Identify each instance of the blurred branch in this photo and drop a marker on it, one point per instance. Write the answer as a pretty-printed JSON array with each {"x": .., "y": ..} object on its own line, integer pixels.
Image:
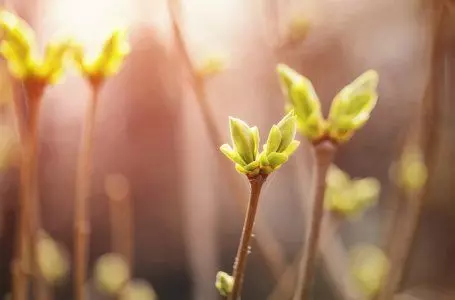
[
  {"x": 400, "y": 243},
  {"x": 333, "y": 252},
  {"x": 267, "y": 244}
]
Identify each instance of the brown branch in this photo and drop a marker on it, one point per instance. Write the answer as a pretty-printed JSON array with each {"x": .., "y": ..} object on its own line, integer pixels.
[
  {"x": 267, "y": 244},
  {"x": 323, "y": 157},
  {"x": 244, "y": 245},
  {"x": 25, "y": 255},
  {"x": 83, "y": 184}
]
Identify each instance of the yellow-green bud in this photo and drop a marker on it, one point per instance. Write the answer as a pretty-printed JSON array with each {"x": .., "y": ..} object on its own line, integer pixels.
[
  {"x": 352, "y": 106},
  {"x": 300, "y": 93},
  {"x": 224, "y": 283},
  {"x": 369, "y": 267}
]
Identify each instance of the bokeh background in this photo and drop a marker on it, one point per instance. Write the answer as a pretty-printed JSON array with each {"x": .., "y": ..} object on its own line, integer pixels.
[{"x": 150, "y": 129}]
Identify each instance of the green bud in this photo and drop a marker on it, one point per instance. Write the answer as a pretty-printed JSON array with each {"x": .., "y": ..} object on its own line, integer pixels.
[
  {"x": 287, "y": 128},
  {"x": 369, "y": 267},
  {"x": 224, "y": 283},
  {"x": 412, "y": 173},
  {"x": 280, "y": 144},
  {"x": 366, "y": 190},
  {"x": 305, "y": 102},
  {"x": 243, "y": 140},
  {"x": 347, "y": 196},
  {"x": 352, "y": 106}
]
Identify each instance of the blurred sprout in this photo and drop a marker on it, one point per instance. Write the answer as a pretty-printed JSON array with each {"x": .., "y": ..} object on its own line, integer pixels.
[
  {"x": 18, "y": 48},
  {"x": 7, "y": 297},
  {"x": 53, "y": 260},
  {"x": 9, "y": 146},
  {"x": 138, "y": 290},
  {"x": 116, "y": 186},
  {"x": 298, "y": 28},
  {"x": 303, "y": 99},
  {"x": 350, "y": 109},
  {"x": 352, "y": 106},
  {"x": 369, "y": 267},
  {"x": 410, "y": 173},
  {"x": 350, "y": 197},
  {"x": 212, "y": 65},
  {"x": 280, "y": 145},
  {"x": 107, "y": 62},
  {"x": 111, "y": 273},
  {"x": 224, "y": 283}
]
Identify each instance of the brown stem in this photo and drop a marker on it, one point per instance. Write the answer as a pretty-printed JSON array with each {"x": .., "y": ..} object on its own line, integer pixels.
[
  {"x": 268, "y": 246},
  {"x": 25, "y": 255},
  {"x": 334, "y": 256},
  {"x": 244, "y": 246},
  {"x": 323, "y": 155},
  {"x": 83, "y": 184},
  {"x": 333, "y": 252}
]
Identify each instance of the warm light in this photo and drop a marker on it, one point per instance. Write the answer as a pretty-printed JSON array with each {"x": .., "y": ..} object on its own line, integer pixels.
[{"x": 90, "y": 22}]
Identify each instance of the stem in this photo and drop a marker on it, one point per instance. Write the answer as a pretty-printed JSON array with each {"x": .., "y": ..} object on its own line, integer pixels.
[
  {"x": 243, "y": 250},
  {"x": 83, "y": 180},
  {"x": 26, "y": 231},
  {"x": 333, "y": 253},
  {"x": 323, "y": 154},
  {"x": 268, "y": 246}
]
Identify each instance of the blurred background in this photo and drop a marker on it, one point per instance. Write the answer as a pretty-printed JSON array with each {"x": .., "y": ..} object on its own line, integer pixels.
[{"x": 151, "y": 130}]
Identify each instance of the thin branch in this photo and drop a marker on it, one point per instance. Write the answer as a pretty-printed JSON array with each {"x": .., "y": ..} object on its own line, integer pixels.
[
  {"x": 267, "y": 244},
  {"x": 83, "y": 184},
  {"x": 323, "y": 156},
  {"x": 244, "y": 245}
]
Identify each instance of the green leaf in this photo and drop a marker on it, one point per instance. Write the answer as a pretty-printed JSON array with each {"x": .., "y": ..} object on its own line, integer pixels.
[
  {"x": 252, "y": 166},
  {"x": 291, "y": 148},
  {"x": 263, "y": 158},
  {"x": 274, "y": 139},
  {"x": 287, "y": 128},
  {"x": 305, "y": 99},
  {"x": 241, "y": 169},
  {"x": 231, "y": 154},
  {"x": 275, "y": 159},
  {"x": 242, "y": 139}
]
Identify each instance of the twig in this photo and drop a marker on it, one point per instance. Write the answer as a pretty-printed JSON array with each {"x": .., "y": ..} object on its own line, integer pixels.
[
  {"x": 323, "y": 155},
  {"x": 267, "y": 244},
  {"x": 26, "y": 231},
  {"x": 244, "y": 246},
  {"x": 333, "y": 252},
  {"x": 83, "y": 183}
]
